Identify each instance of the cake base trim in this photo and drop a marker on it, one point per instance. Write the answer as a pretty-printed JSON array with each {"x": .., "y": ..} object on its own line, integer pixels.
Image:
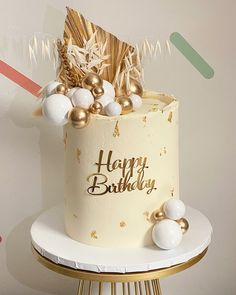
[{"x": 50, "y": 240}]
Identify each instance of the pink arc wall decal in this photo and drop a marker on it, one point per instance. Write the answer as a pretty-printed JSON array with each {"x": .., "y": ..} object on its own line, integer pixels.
[{"x": 19, "y": 78}]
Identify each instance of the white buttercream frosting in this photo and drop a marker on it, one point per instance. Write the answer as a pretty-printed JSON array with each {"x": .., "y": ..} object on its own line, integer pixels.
[{"x": 118, "y": 171}]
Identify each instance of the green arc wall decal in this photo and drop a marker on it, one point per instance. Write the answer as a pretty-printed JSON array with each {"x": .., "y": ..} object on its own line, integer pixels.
[{"x": 192, "y": 56}]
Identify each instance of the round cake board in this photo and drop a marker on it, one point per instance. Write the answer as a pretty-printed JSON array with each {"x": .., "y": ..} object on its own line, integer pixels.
[{"x": 50, "y": 240}]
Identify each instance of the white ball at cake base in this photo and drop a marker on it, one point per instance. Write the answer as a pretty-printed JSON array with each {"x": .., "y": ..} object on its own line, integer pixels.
[
  {"x": 55, "y": 108},
  {"x": 174, "y": 209},
  {"x": 71, "y": 92},
  {"x": 82, "y": 98},
  {"x": 109, "y": 89},
  {"x": 113, "y": 109},
  {"x": 136, "y": 101},
  {"x": 167, "y": 234},
  {"x": 105, "y": 99}
]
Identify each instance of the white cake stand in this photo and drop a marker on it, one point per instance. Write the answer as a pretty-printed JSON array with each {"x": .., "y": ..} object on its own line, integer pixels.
[{"x": 116, "y": 271}]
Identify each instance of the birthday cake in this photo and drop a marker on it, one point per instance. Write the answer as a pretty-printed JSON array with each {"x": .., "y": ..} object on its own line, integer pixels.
[
  {"x": 121, "y": 143},
  {"x": 118, "y": 171}
]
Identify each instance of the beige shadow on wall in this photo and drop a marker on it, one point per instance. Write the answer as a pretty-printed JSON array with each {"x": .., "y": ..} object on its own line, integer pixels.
[
  {"x": 20, "y": 261},
  {"x": 24, "y": 267}
]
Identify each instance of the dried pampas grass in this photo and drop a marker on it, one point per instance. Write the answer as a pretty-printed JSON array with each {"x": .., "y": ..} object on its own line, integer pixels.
[{"x": 87, "y": 47}]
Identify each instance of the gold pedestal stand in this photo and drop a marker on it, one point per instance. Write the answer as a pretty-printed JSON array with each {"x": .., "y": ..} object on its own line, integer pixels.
[{"x": 138, "y": 283}]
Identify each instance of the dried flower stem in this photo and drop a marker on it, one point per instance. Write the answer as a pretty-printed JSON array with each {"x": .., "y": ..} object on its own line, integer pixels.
[{"x": 71, "y": 79}]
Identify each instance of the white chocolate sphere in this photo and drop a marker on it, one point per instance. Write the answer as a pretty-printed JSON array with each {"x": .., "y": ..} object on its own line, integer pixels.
[
  {"x": 167, "y": 234},
  {"x": 56, "y": 107},
  {"x": 108, "y": 89},
  {"x": 71, "y": 92},
  {"x": 174, "y": 209},
  {"x": 50, "y": 88},
  {"x": 136, "y": 101},
  {"x": 82, "y": 98},
  {"x": 105, "y": 99},
  {"x": 113, "y": 109}
]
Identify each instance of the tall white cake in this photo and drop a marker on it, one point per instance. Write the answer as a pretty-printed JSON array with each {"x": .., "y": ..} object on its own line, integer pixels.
[
  {"x": 121, "y": 143},
  {"x": 118, "y": 170}
]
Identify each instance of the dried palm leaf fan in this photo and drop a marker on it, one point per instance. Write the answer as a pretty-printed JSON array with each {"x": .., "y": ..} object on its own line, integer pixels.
[{"x": 114, "y": 60}]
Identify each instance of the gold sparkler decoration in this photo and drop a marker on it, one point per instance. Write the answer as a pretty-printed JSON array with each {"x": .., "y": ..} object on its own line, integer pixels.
[{"x": 45, "y": 48}]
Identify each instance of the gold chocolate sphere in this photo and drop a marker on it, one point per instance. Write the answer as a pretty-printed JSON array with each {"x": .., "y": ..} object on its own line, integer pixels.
[
  {"x": 126, "y": 104},
  {"x": 135, "y": 87},
  {"x": 96, "y": 108},
  {"x": 97, "y": 91},
  {"x": 79, "y": 117},
  {"x": 61, "y": 89},
  {"x": 183, "y": 224},
  {"x": 79, "y": 83},
  {"x": 91, "y": 80},
  {"x": 119, "y": 92},
  {"x": 158, "y": 215},
  {"x": 67, "y": 90}
]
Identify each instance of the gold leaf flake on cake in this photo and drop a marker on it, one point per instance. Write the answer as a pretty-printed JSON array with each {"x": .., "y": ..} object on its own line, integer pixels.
[
  {"x": 170, "y": 117},
  {"x": 116, "y": 132},
  {"x": 163, "y": 151},
  {"x": 65, "y": 139},
  {"x": 122, "y": 224},
  {"x": 78, "y": 154},
  {"x": 154, "y": 108},
  {"x": 147, "y": 215},
  {"x": 145, "y": 120},
  {"x": 94, "y": 234}
]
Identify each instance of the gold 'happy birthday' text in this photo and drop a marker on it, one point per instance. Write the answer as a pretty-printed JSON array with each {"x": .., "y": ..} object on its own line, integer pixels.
[{"x": 128, "y": 168}]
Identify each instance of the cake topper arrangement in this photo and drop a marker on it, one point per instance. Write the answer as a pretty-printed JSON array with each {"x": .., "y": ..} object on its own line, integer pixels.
[
  {"x": 97, "y": 74},
  {"x": 100, "y": 75}
]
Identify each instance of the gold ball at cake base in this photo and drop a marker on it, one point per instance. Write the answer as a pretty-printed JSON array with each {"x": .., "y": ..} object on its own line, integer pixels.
[
  {"x": 97, "y": 91},
  {"x": 96, "y": 108},
  {"x": 91, "y": 80},
  {"x": 79, "y": 117},
  {"x": 126, "y": 104},
  {"x": 135, "y": 87},
  {"x": 158, "y": 215},
  {"x": 61, "y": 89},
  {"x": 183, "y": 224}
]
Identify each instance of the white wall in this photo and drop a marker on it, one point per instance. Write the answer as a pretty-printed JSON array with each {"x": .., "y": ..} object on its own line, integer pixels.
[{"x": 31, "y": 151}]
